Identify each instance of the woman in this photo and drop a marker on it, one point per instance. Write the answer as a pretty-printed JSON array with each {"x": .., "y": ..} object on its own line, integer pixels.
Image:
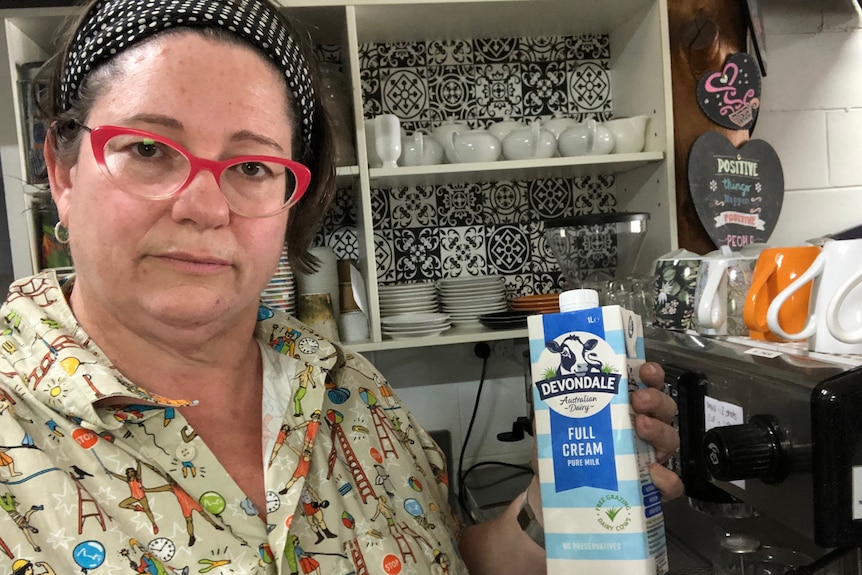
[{"x": 183, "y": 138}]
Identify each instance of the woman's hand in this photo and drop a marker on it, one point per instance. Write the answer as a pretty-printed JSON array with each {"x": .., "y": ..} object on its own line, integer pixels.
[{"x": 655, "y": 410}]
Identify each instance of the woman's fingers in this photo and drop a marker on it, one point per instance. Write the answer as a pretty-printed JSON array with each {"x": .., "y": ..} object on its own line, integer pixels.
[
  {"x": 650, "y": 401},
  {"x": 663, "y": 437},
  {"x": 666, "y": 481},
  {"x": 652, "y": 374}
]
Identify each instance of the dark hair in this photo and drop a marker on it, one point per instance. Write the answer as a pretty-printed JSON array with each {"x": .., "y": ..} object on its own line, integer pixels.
[{"x": 304, "y": 218}]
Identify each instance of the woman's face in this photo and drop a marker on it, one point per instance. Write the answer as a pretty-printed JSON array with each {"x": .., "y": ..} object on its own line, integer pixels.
[{"x": 187, "y": 259}]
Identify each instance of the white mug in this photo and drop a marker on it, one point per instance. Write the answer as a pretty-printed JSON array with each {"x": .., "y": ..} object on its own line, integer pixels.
[
  {"x": 719, "y": 297},
  {"x": 835, "y": 311}
]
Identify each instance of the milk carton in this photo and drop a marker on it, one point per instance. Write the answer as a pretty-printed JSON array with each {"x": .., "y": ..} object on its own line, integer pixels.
[{"x": 602, "y": 513}]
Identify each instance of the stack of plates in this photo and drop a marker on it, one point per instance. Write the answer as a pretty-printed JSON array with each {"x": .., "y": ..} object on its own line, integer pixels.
[
  {"x": 407, "y": 298},
  {"x": 415, "y": 325},
  {"x": 466, "y": 298},
  {"x": 544, "y": 303},
  {"x": 280, "y": 292},
  {"x": 505, "y": 319}
]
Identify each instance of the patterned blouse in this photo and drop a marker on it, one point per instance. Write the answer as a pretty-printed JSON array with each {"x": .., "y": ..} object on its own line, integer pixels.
[{"x": 353, "y": 484}]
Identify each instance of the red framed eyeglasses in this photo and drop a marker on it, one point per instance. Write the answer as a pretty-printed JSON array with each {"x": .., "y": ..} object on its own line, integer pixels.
[{"x": 152, "y": 167}]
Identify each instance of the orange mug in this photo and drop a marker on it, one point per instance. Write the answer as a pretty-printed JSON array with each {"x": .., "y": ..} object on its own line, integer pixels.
[{"x": 776, "y": 269}]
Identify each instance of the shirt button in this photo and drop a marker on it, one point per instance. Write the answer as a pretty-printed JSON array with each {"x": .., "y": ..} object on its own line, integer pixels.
[{"x": 186, "y": 452}]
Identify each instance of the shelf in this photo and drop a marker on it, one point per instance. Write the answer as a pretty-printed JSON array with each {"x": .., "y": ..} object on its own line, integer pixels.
[
  {"x": 454, "y": 335},
  {"x": 506, "y": 170},
  {"x": 397, "y": 20},
  {"x": 345, "y": 175}
]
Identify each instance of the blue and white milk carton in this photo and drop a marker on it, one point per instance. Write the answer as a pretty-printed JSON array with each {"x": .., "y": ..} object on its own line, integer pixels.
[{"x": 602, "y": 513}]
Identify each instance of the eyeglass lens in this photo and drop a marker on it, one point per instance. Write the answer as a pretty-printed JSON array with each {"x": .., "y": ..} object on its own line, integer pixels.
[{"x": 149, "y": 168}]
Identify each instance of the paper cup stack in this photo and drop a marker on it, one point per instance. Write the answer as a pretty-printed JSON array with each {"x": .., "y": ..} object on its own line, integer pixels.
[
  {"x": 280, "y": 292},
  {"x": 311, "y": 305}
]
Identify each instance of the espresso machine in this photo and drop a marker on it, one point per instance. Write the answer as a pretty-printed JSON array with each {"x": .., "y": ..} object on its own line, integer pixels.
[{"x": 770, "y": 448}]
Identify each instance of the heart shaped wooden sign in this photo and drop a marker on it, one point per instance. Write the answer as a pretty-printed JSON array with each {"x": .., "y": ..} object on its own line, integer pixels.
[
  {"x": 731, "y": 97},
  {"x": 737, "y": 193}
]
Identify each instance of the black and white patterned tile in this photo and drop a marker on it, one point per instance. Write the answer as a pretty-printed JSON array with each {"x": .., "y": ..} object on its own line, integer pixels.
[
  {"x": 449, "y": 52},
  {"x": 544, "y": 49},
  {"x": 413, "y": 207},
  {"x": 460, "y": 205},
  {"x": 498, "y": 90},
  {"x": 496, "y": 50},
  {"x": 549, "y": 199},
  {"x": 504, "y": 201},
  {"x": 450, "y": 93},
  {"x": 589, "y": 85},
  {"x": 404, "y": 92},
  {"x": 508, "y": 248},
  {"x": 463, "y": 251},
  {"x": 588, "y": 47},
  {"x": 416, "y": 254},
  {"x": 384, "y": 255},
  {"x": 543, "y": 88}
]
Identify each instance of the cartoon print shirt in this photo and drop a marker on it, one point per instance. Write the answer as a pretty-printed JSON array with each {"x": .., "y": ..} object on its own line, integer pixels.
[{"x": 353, "y": 484}]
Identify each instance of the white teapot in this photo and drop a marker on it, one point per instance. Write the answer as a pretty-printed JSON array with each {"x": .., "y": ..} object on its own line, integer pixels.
[
  {"x": 587, "y": 139},
  {"x": 504, "y": 127},
  {"x": 529, "y": 143},
  {"x": 628, "y": 134},
  {"x": 558, "y": 124},
  {"x": 419, "y": 149},
  {"x": 472, "y": 146},
  {"x": 442, "y": 132}
]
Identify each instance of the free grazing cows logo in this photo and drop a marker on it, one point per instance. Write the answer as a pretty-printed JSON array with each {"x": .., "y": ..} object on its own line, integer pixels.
[{"x": 578, "y": 377}]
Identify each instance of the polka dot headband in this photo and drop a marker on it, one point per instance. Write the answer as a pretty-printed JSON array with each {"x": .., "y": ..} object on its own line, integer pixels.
[{"x": 115, "y": 25}]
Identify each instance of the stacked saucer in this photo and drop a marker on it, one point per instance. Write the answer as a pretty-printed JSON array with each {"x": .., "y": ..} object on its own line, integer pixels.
[
  {"x": 505, "y": 319},
  {"x": 280, "y": 292},
  {"x": 466, "y": 298},
  {"x": 415, "y": 325},
  {"x": 407, "y": 298},
  {"x": 542, "y": 303}
]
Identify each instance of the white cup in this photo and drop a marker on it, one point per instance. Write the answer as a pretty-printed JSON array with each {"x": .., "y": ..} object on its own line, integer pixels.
[
  {"x": 719, "y": 297},
  {"x": 835, "y": 311},
  {"x": 353, "y": 326}
]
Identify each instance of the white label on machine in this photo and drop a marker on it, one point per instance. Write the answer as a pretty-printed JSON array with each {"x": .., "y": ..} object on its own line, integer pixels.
[
  {"x": 857, "y": 492},
  {"x": 763, "y": 352},
  {"x": 721, "y": 414}
]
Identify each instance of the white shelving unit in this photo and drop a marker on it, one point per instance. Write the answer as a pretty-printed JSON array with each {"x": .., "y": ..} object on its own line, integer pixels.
[{"x": 640, "y": 77}]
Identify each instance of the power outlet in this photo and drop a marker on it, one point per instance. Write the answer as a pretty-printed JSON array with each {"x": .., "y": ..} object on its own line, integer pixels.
[{"x": 503, "y": 349}]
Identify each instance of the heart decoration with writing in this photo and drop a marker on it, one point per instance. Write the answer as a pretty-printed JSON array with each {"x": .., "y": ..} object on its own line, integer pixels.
[
  {"x": 737, "y": 193},
  {"x": 731, "y": 97}
]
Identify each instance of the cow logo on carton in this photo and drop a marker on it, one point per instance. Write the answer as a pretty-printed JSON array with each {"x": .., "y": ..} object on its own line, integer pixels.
[{"x": 578, "y": 375}]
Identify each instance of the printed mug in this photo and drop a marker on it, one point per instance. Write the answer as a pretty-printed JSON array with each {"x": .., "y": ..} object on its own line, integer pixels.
[
  {"x": 719, "y": 297},
  {"x": 675, "y": 283},
  {"x": 834, "y": 301},
  {"x": 776, "y": 268}
]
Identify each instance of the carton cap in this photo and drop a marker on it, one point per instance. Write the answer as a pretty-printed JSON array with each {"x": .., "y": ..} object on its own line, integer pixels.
[{"x": 575, "y": 299}]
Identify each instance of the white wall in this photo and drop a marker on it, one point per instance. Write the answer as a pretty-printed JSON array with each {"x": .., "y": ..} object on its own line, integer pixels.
[
  {"x": 439, "y": 385},
  {"x": 811, "y": 113}
]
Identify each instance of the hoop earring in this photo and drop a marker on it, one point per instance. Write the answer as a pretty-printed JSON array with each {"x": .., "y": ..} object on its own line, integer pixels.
[{"x": 61, "y": 233}]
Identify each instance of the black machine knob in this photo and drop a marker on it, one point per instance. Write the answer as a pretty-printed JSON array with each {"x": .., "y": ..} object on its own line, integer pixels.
[{"x": 753, "y": 450}]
